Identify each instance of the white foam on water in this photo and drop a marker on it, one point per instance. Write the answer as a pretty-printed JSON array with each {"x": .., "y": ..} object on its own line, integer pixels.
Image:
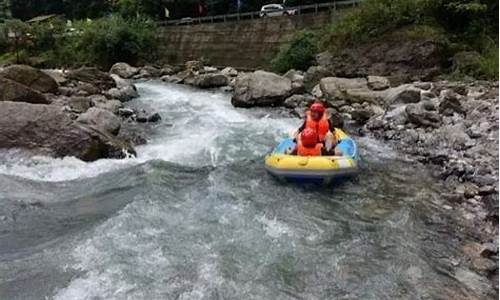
[
  {"x": 273, "y": 227},
  {"x": 207, "y": 130}
]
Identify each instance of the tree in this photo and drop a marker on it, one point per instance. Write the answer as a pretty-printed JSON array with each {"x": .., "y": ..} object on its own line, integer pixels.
[{"x": 4, "y": 10}]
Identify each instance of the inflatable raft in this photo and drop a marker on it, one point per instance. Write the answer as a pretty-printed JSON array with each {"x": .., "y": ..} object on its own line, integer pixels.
[{"x": 313, "y": 168}]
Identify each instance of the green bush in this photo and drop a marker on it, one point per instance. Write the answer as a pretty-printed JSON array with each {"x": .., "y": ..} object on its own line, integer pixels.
[
  {"x": 461, "y": 26},
  {"x": 299, "y": 54},
  {"x": 489, "y": 61},
  {"x": 114, "y": 39}
]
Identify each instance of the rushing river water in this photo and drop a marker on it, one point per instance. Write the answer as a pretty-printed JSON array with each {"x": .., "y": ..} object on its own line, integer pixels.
[{"x": 196, "y": 216}]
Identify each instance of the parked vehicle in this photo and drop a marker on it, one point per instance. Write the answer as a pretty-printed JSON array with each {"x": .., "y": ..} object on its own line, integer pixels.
[
  {"x": 185, "y": 21},
  {"x": 276, "y": 10}
]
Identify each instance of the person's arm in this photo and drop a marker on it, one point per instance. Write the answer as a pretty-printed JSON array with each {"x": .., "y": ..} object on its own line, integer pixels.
[
  {"x": 299, "y": 131},
  {"x": 302, "y": 127}
]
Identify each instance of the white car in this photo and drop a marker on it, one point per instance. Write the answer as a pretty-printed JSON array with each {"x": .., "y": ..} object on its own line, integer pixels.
[{"x": 275, "y": 10}]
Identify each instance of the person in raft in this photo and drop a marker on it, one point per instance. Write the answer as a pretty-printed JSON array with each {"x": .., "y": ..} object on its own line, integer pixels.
[
  {"x": 317, "y": 119},
  {"x": 308, "y": 145}
]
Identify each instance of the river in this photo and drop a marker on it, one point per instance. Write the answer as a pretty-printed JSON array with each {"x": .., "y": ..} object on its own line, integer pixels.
[{"x": 196, "y": 216}]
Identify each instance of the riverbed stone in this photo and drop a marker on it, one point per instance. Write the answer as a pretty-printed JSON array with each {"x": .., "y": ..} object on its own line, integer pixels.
[
  {"x": 111, "y": 105},
  {"x": 260, "y": 88},
  {"x": 93, "y": 76},
  {"x": 419, "y": 116},
  {"x": 123, "y": 70},
  {"x": 229, "y": 72},
  {"x": 449, "y": 103},
  {"x": 14, "y": 91},
  {"x": 314, "y": 75},
  {"x": 335, "y": 88},
  {"x": 47, "y": 130},
  {"x": 402, "y": 94},
  {"x": 30, "y": 77},
  {"x": 378, "y": 83},
  {"x": 103, "y": 119}
]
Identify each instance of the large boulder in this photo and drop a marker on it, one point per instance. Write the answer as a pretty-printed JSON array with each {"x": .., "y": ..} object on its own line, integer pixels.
[
  {"x": 123, "y": 70},
  {"x": 314, "y": 75},
  {"x": 92, "y": 76},
  {"x": 58, "y": 75},
  {"x": 13, "y": 91},
  {"x": 402, "y": 94},
  {"x": 46, "y": 130},
  {"x": 260, "y": 88},
  {"x": 208, "y": 80},
  {"x": 102, "y": 119},
  {"x": 124, "y": 94},
  {"x": 335, "y": 88},
  {"x": 297, "y": 78},
  {"x": 30, "y": 77}
]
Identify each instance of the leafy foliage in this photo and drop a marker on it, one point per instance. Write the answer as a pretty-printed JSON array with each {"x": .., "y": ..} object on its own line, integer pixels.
[
  {"x": 466, "y": 25},
  {"x": 299, "y": 54},
  {"x": 109, "y": 40}
]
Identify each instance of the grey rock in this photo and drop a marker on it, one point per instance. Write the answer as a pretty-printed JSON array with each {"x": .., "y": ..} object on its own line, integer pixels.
[
  {"x": 260, "y": 88},
  {"x": 85, "y": 88},
  {"x": 123, "y": 70},
  {"x": 49, "y": 131},
  {"x": 194, "y": 65},
  {"x": 30, "y": 77},
  {"x": 419, "y": 116},
  {"x": 209, "y": 80},
  {"x": 397, "y": 116},
  {"x": 126, "y": 112},
  {"x": 362, "y": 115},
  {"x": 335, "y": 88},
  {"x": 313, "y": 75},
  {"x": 100, "y": 118},
  {"x": 378, "y": 83},
  {"x": 423, "y": 85},
  {"x": 80, "y": 104},
  {"x": 449, "y": 103},
  {"x": 111, "y": 105},
  {"x": 229, "y": 72},
  {"x": 297, "y": 101},
  {"x": 16, "y": 92},
  {"x": 124, "y": 94},
  {"x": 167, "y": 70},
  {"x": 402, "y": 94},
  {"x": 93, "y": 76}
]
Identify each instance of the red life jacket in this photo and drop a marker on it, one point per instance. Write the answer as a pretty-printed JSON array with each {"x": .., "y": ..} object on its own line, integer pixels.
[
  {"x": 305, "y": 151},
  {"x": 321, "y": 127}
]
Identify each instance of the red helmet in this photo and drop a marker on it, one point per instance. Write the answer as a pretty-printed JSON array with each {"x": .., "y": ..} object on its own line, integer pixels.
[
  {"x": 309, "y": 137},
  {"x": 318, "y": 107}
]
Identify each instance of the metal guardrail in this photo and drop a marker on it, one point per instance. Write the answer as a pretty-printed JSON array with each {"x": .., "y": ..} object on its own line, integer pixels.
[{"x": 312, "y": 8}]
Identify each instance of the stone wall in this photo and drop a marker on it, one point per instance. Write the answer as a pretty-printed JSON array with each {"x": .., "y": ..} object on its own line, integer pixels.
[{"x": 242, "y": 44}]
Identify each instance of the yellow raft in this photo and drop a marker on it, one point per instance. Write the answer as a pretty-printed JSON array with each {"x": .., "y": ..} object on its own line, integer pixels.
[{"x": 313, "y": 168}]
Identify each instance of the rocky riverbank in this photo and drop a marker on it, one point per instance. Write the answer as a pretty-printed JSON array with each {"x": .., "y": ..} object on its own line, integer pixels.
[
  {"x": 77, "y": 113},
  {"x": 451, "y": 127}
]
